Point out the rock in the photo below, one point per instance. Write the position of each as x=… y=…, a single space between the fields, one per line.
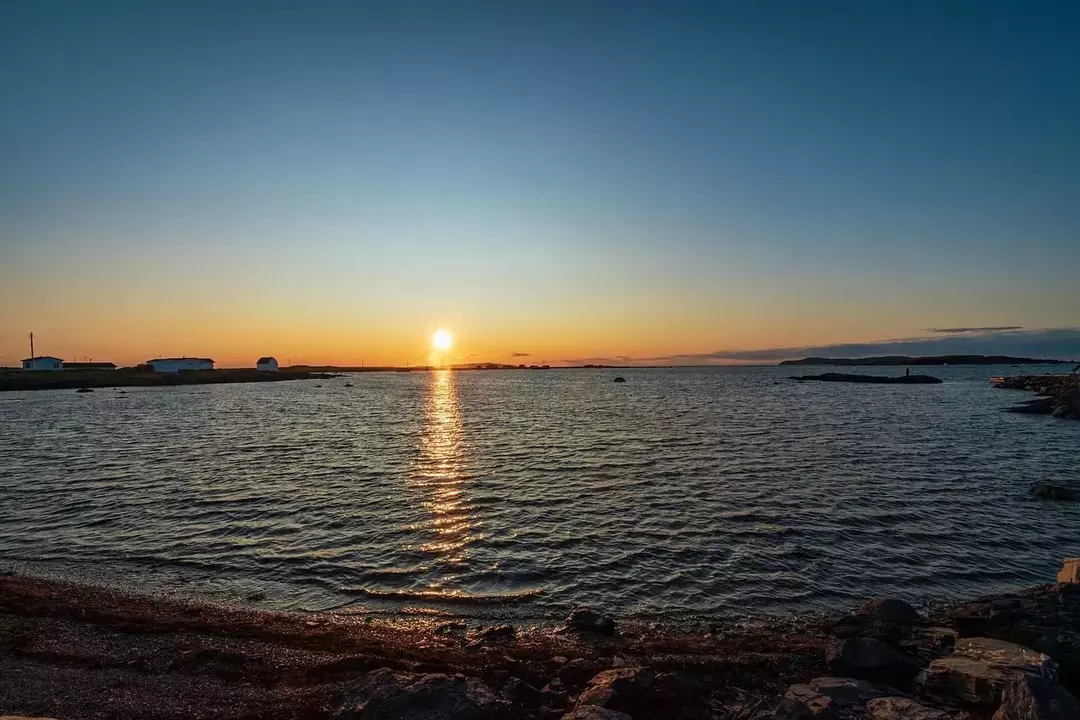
x=885 y=619
x=520 y=692
x=898 y=708
x=1045 y=491
x=620 y=379
x=802 y=703
x=932 y=643
x=874 y=379
x=576 y=673
x=1026 y=697
x=870 y=659
x=591 y=621
x=449 y=628
x=890 y=610
x=1070 y=571
x=845 y=691
x=592 y=712
x=1044 y=618
x=619 y=689
x=1008 y=656
x=1040 y=406
x=84 y=390
x=1061 y=411
x=962 y=681
x=388 y=695
x=497 y=634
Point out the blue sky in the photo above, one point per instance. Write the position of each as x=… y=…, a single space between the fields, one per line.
x=563 y=178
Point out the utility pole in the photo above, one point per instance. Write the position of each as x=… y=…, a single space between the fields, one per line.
x=31 y=350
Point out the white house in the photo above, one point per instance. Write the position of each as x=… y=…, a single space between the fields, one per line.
x=171 y=365
x=43 y=362
x=266 y=363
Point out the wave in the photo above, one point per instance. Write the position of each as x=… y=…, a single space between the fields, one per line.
x=447 y=597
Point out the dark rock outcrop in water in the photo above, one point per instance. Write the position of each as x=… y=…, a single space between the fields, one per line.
x=1045 y=491
x=872 y=379
x=1061 y=394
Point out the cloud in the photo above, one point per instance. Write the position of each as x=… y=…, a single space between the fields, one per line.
x=519 y=354
x=1052 y=343
x=957 y=331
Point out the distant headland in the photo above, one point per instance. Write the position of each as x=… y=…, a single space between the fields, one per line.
x=887 y=360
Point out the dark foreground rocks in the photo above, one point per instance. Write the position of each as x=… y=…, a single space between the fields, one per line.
x=387 y=695
x=74 y=652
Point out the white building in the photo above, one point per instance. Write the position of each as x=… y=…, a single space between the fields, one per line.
x=171 y=365
x=266 y=363
x=43 y=362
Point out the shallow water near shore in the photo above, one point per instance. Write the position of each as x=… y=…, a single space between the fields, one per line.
x=520 y=494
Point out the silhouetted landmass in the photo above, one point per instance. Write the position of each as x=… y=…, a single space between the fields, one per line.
x=871 y=379
x=141 y=377
x=926 y=360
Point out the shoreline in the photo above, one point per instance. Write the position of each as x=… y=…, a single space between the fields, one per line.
x=1059 y=395
x=75 y=651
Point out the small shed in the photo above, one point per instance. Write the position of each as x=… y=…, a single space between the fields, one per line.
x=269 y=364
x=171 y=365
x=43 y=362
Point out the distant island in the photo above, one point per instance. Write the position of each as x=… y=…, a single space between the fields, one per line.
x=886 y=360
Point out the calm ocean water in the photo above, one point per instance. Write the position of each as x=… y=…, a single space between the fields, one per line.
x=682 y=491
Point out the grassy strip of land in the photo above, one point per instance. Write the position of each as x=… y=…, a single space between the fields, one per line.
x=134 y=377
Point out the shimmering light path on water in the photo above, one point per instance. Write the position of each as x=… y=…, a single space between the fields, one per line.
x=522 y=493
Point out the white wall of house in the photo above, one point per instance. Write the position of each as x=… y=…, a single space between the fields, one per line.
x=44 y=362
x=177 y=364
x=270 y=364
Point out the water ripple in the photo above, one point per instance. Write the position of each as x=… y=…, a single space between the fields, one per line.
x=521 y=494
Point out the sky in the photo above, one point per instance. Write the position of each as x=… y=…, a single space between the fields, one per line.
x=554 y=181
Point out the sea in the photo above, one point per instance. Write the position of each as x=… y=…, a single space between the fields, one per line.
x=683 y=492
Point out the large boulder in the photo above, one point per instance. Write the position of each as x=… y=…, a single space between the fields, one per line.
x=885 y=619
x=873 y=660
x=620 y=689
x=1027 y=697
x=802 y=702
x=899 y=708
x=388 y=695
x=963 y=682
x=583 y=619
x=1008 y=656
x=1044 y=618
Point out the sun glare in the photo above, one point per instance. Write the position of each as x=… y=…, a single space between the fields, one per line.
x=442 y=340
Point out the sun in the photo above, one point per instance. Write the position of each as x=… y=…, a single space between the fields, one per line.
x=442 y=340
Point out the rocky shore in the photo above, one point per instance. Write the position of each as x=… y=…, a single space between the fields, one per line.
x=71 y=651
x=1060 y=394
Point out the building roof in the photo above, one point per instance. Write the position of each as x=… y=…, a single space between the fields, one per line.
x=43 y=357
x=264 y=360
x=210 y=360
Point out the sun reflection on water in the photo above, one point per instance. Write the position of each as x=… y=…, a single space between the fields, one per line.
x=440 y=474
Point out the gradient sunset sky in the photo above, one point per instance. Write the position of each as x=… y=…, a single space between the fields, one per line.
x=559 y=181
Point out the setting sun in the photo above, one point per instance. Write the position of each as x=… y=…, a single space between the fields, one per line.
x=442 y=340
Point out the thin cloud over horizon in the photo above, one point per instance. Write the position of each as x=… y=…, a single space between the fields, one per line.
x=1048 y=343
